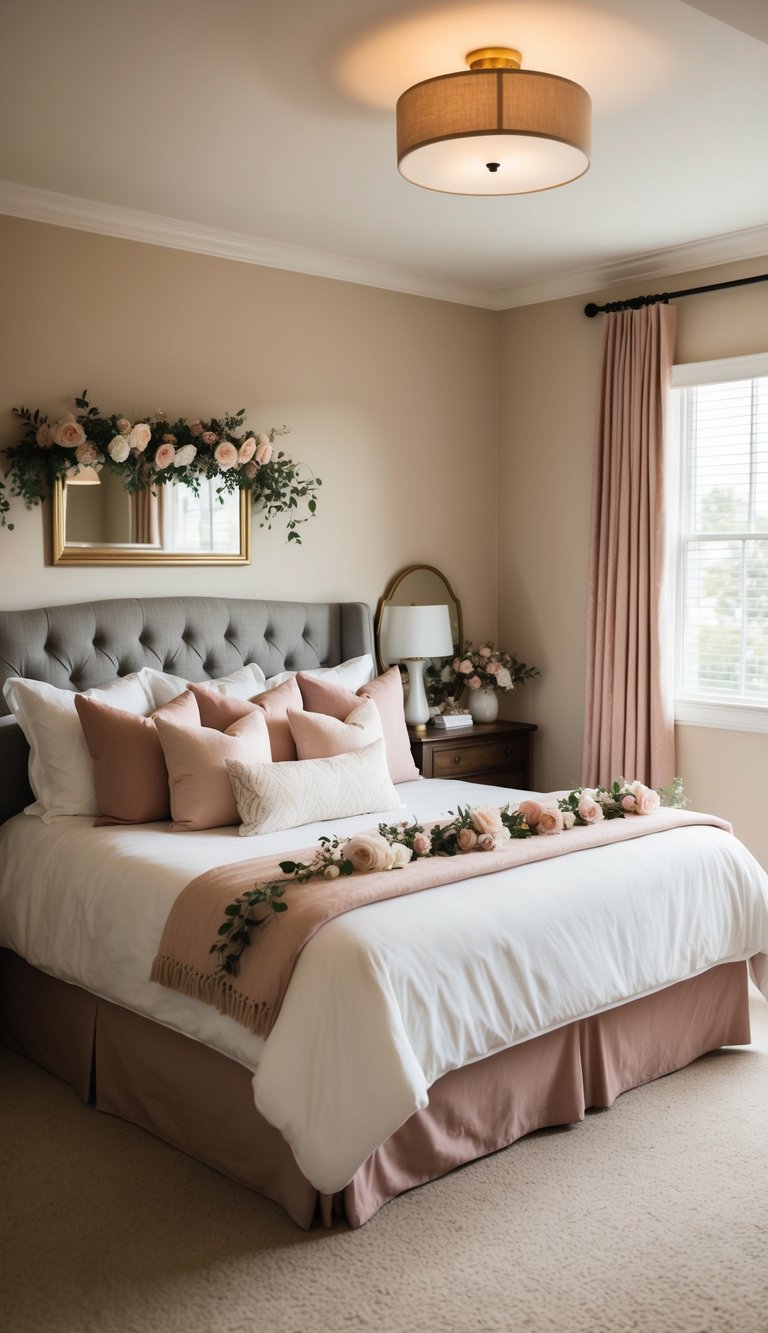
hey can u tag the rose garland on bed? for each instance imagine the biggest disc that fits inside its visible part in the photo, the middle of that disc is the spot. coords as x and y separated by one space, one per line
392 846
152 451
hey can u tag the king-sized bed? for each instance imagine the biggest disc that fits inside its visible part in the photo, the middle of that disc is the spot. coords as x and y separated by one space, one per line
417 1033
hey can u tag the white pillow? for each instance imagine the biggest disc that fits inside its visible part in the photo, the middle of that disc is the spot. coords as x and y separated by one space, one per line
353 673
243 683
271 797
60 767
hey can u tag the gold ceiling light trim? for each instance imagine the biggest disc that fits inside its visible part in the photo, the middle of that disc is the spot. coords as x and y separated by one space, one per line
494 129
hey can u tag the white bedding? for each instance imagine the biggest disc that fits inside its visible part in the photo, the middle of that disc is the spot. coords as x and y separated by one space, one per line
386 999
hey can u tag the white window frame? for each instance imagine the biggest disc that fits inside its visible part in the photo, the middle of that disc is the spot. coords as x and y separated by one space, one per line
700 711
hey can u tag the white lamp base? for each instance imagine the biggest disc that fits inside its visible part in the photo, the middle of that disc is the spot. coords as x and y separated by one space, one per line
416 705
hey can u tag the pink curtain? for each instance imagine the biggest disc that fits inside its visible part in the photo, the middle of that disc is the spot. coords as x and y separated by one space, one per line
629 724
145 518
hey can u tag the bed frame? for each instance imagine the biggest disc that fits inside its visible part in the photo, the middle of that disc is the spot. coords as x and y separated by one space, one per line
200 1101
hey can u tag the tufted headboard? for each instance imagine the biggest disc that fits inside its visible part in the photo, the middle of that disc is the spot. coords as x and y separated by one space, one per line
89 643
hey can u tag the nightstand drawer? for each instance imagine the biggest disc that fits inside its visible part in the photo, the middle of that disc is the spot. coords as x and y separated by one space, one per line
484 757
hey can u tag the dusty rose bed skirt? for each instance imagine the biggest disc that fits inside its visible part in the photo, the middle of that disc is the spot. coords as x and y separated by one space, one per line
202 1103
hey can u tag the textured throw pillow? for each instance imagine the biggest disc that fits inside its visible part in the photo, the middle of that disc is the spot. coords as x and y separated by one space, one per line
271 797
200 790
219 710
318 736
275 704
129 772
351 674
60 767
386 691
240 684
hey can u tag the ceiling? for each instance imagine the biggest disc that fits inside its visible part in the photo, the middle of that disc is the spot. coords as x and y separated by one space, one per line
265 130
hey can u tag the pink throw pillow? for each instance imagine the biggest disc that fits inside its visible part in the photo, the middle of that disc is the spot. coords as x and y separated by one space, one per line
200 790
275 703
387 693
129 773
219 710
319 736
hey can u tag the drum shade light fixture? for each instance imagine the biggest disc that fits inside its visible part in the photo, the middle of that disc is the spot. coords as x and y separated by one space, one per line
494 128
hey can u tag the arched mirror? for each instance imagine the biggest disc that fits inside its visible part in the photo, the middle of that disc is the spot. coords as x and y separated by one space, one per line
419 585
97 522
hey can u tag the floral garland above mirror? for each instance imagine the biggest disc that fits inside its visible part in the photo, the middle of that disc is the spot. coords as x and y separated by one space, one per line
153 452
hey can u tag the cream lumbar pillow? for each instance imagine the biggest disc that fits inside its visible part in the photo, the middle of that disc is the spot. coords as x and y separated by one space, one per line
271 797
318 736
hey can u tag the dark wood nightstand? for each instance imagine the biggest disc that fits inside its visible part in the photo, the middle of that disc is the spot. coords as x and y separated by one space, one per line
498 753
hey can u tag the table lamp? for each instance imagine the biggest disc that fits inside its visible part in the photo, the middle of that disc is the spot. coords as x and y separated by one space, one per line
414 635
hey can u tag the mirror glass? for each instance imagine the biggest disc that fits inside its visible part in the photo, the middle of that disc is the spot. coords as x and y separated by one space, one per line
101 523
419 585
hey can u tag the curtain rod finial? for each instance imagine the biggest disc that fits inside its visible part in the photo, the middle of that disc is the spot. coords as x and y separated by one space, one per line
591 310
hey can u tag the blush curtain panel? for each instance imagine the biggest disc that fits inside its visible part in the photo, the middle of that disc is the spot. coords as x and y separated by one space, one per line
629 722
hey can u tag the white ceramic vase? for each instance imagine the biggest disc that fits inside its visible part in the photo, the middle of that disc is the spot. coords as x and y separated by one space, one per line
484 704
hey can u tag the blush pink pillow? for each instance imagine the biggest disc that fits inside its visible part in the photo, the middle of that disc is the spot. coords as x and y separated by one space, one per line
275 704
387 694
129 773
219 710
200 790
319 736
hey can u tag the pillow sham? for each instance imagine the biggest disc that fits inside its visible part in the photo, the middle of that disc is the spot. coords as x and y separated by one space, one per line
273 797
275 704
240 684
386 691
219 710
318 736
129 773
201 793
352 674
60 767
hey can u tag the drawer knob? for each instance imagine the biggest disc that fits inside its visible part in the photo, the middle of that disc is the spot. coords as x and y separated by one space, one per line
509 751
457 759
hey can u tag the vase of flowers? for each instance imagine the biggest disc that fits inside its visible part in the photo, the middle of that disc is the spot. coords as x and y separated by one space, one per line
483 672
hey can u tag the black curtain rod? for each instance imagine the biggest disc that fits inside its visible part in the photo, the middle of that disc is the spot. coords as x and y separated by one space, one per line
637 302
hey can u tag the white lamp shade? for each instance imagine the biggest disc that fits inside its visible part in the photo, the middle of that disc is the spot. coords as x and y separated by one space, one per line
418 631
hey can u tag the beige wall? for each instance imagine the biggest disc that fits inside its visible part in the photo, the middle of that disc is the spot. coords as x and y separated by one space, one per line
549 357
391 399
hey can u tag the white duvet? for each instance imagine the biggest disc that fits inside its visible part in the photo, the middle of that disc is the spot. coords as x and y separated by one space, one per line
386 999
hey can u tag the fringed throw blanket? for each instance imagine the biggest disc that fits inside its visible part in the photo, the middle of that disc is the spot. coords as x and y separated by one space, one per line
254 996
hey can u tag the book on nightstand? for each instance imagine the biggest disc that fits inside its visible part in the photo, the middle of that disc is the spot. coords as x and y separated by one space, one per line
452 721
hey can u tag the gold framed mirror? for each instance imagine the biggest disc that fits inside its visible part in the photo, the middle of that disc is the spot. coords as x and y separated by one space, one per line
98 522
420 585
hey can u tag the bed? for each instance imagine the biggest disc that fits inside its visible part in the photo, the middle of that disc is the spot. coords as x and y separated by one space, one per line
417 1034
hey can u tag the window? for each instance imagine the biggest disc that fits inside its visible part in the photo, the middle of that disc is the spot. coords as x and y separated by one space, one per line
720 425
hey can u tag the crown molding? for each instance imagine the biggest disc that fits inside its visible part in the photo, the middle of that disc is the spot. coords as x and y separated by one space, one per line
64 210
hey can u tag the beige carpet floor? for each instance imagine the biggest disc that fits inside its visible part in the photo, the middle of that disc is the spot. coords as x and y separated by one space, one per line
650 1217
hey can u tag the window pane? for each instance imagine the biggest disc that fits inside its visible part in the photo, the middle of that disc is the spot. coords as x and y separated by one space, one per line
712 619
756 644
720 456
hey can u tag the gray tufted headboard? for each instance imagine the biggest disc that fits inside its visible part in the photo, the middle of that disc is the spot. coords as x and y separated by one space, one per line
78 646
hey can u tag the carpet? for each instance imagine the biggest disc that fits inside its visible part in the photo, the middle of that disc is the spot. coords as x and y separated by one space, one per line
647 1218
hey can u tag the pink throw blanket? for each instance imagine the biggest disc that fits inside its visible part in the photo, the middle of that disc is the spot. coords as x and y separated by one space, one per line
254 996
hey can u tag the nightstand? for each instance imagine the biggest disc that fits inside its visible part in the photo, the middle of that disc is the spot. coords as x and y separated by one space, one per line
497 753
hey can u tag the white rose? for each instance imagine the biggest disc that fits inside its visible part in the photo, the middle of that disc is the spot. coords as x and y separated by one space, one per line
184 455
569 819
118 449
401 855
369 851
332 872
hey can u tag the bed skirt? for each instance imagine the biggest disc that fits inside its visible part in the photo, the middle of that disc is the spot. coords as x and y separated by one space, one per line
202 1102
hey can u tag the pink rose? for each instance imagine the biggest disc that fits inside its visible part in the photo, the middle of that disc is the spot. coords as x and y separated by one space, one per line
421 844
628 802
196 428
251 469
369 851
264 451
531 812
87 453
465 667
210 437
246 451
466 839
646 798
550 820
225 455
123 425
164 456
484 651
68 432
486 843
493 668
589 810
487 820
474 682
139 437
43 436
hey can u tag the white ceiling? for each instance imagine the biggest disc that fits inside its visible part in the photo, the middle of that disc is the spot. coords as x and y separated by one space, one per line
265 129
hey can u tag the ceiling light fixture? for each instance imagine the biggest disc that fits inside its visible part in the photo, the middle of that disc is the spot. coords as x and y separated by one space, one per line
493 129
